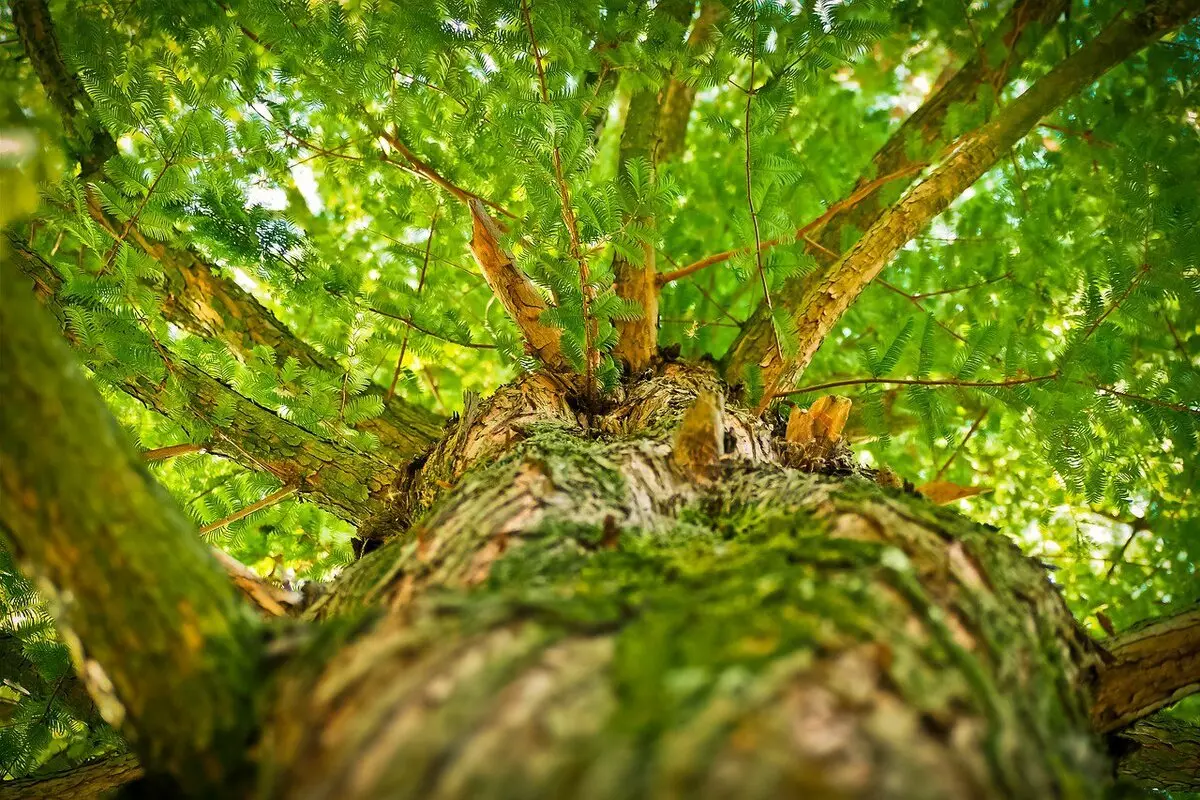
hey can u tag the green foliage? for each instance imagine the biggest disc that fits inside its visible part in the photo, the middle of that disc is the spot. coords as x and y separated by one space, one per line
256 133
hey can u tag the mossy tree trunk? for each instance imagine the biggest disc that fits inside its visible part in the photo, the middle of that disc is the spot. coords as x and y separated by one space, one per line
585 613
659 598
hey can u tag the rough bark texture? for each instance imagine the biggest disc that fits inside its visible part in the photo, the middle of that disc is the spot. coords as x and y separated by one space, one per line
156 631
577 614
515 291
814 312
91 781
1147 669
1160 753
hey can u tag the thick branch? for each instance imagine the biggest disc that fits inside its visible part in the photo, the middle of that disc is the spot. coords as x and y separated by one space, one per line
135 591
817 309
90 781
1151 667
917 140
1159 753
196 298
350 483
35 29
515 291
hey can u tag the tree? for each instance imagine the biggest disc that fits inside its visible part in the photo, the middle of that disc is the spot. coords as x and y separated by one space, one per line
276 557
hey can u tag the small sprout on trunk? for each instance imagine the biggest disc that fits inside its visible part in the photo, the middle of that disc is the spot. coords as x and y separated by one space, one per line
700 440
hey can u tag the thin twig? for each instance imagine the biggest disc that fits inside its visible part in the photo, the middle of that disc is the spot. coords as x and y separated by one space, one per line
974 427
816 387
171 451
269 500
1180 407
940 292
758 255
1138 525
412 324
568 216
420 285
1113 306
916 301
1086 135
842 205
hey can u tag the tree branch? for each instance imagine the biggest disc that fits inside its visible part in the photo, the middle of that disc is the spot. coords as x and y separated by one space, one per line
90 781
1160 753
962 444
801 234
135 590
917 140
515 291
655 129
822 303
242 513
269 599
195 297
420 286
1149 667
816 387
171 451
350 483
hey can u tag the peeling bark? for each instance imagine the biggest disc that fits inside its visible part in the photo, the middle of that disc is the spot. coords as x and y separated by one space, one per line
823 301
1160 753
515 291
1147 669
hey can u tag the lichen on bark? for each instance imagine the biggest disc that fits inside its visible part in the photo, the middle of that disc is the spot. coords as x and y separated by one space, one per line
573 596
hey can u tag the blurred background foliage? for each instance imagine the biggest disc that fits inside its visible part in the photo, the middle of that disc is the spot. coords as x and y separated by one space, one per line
258 132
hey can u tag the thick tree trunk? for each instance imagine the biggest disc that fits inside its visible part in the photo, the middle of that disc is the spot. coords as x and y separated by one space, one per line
589 612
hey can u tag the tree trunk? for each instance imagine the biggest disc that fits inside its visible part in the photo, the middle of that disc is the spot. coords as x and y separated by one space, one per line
590 612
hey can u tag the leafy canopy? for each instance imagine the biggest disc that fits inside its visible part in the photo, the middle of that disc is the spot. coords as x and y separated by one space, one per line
290 144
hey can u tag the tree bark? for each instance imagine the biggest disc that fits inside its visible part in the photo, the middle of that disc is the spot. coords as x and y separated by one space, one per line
156 631
824 301
1148 668
643 137
1160 753
91 781
598 618
660 604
